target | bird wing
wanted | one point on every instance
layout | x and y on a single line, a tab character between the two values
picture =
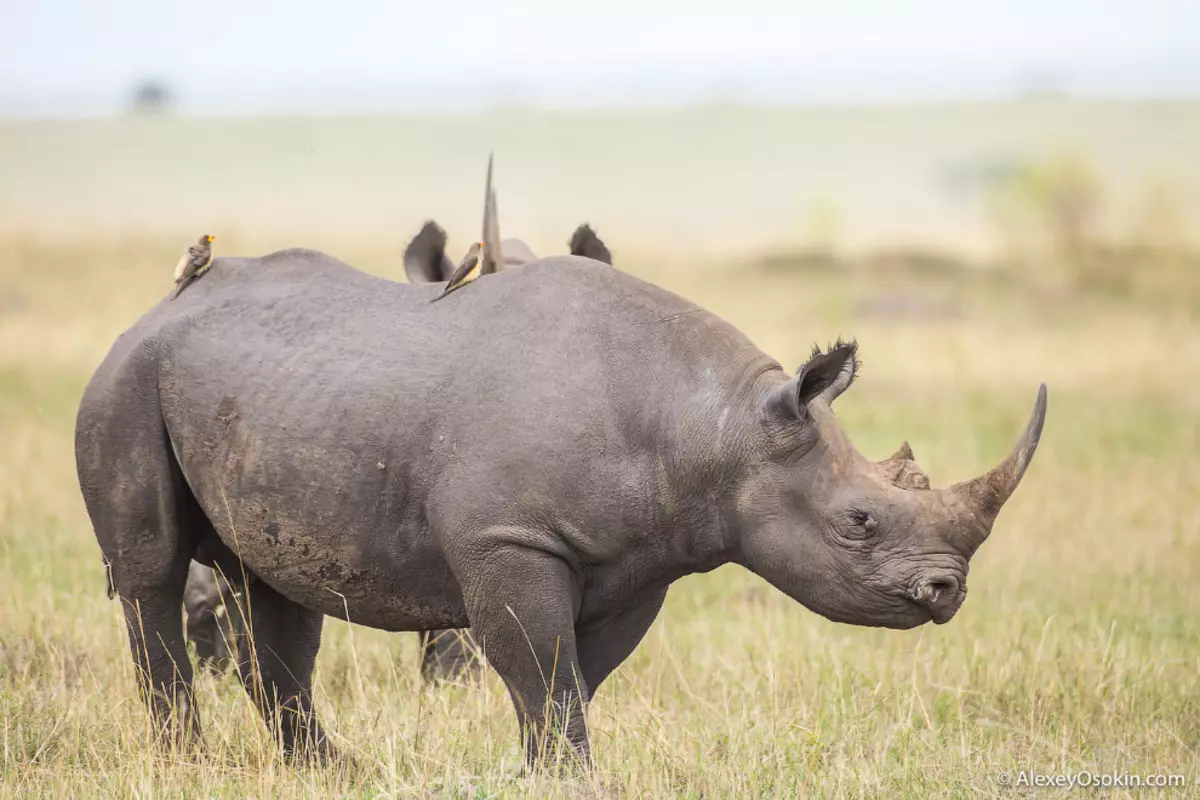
182	265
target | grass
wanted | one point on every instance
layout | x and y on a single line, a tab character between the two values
1077	649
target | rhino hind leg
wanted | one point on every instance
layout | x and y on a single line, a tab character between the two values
164	671
448	655
158	647
276	655
143	516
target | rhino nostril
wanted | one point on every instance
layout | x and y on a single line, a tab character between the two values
936	591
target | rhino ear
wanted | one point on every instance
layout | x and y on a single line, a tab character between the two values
827	375
425	259
905	453
823	376
585	242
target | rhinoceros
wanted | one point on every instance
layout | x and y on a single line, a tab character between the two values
537	457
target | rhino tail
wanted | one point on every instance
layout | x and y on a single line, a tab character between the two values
425	259
584	242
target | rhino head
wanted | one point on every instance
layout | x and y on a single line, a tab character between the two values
857	541
425	259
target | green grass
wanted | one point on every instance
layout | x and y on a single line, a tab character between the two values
1077	649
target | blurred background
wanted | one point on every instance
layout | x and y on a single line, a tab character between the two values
986	195
960	134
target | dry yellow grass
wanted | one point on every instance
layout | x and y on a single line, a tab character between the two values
1077	650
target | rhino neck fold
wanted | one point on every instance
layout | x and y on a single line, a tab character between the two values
700	478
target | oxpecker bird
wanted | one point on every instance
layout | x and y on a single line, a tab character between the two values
468	270
193	263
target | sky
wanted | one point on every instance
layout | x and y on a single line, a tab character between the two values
78	58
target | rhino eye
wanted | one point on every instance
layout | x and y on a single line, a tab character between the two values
862	524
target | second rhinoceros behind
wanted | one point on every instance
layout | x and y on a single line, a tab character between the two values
425	259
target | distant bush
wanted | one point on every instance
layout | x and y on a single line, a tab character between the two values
1046	211
1051	214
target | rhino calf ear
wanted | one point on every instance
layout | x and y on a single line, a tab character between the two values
585	242
425	259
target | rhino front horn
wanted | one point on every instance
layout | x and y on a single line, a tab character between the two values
985	495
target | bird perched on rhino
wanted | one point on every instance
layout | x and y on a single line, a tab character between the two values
193	263
470	268
484	257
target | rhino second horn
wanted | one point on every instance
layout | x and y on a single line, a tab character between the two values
905	453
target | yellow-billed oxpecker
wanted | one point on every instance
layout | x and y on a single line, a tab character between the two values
468	270
193	263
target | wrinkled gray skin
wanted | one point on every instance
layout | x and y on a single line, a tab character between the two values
445	654
537	458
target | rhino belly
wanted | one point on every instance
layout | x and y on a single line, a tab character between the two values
327	519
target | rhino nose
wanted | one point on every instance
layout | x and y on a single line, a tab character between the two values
939	596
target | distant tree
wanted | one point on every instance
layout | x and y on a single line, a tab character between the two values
151	97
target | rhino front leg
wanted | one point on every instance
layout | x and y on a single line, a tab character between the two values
521	603
605	643
276	654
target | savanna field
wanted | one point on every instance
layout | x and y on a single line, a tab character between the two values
1078	648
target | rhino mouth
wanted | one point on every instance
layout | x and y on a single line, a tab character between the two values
914	615
942	615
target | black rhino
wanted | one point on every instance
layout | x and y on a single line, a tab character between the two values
537	457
